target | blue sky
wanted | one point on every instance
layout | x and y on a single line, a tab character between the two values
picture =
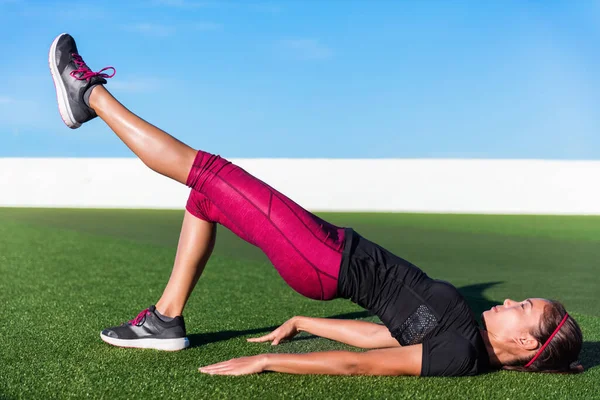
338	79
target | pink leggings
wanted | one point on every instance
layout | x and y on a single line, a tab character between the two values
305	250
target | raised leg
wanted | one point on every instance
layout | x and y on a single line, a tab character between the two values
155	147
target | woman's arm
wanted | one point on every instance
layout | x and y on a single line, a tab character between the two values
366	335
392	361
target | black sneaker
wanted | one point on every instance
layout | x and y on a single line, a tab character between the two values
72	78
148	331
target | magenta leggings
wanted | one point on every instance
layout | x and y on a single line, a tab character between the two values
305	250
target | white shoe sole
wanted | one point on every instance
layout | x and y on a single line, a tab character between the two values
157	344
61	92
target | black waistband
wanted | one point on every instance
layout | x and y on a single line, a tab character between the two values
346	254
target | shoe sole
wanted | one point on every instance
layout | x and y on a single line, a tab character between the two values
61	92
157	344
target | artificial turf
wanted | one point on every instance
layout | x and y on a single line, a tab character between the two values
67	274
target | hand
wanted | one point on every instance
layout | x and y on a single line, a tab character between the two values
286	331
237	366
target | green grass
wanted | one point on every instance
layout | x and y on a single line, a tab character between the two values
67	274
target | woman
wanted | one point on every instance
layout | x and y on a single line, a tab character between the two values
428	328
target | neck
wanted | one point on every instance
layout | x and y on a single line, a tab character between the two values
497	352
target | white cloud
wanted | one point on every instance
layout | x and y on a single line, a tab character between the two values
306	49
150	29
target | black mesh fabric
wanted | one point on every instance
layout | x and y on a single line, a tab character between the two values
419	324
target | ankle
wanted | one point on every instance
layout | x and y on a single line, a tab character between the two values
92	96
168	310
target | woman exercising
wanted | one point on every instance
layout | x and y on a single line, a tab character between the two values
428	328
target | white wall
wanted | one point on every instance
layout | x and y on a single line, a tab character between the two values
469	186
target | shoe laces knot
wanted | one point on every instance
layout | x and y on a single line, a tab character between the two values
83	72
140	317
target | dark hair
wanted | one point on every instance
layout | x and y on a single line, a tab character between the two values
561	354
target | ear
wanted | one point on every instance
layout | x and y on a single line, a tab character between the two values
528	342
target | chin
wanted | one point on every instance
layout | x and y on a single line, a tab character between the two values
483	319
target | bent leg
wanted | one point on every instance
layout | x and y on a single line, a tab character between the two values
305	250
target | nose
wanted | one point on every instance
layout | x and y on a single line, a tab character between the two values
507	302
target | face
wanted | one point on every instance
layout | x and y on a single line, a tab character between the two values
514	320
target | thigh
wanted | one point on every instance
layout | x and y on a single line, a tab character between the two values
305	250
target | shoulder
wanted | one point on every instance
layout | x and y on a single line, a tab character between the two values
450	354
445	292
449	303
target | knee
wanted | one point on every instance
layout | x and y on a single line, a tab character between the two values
205	166
198	205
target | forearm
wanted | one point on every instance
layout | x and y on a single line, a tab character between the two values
388	362
385	362
322	363
355	333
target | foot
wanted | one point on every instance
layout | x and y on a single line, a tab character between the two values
73	81
148	331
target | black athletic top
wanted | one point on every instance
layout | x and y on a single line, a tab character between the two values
415	308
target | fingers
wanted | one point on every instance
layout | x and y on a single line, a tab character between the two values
223	372
216	368
264	338
235	366
218	365
218	371
259	339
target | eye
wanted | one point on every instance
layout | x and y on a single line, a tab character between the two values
523	306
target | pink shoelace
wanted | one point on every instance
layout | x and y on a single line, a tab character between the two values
83	72
140	317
